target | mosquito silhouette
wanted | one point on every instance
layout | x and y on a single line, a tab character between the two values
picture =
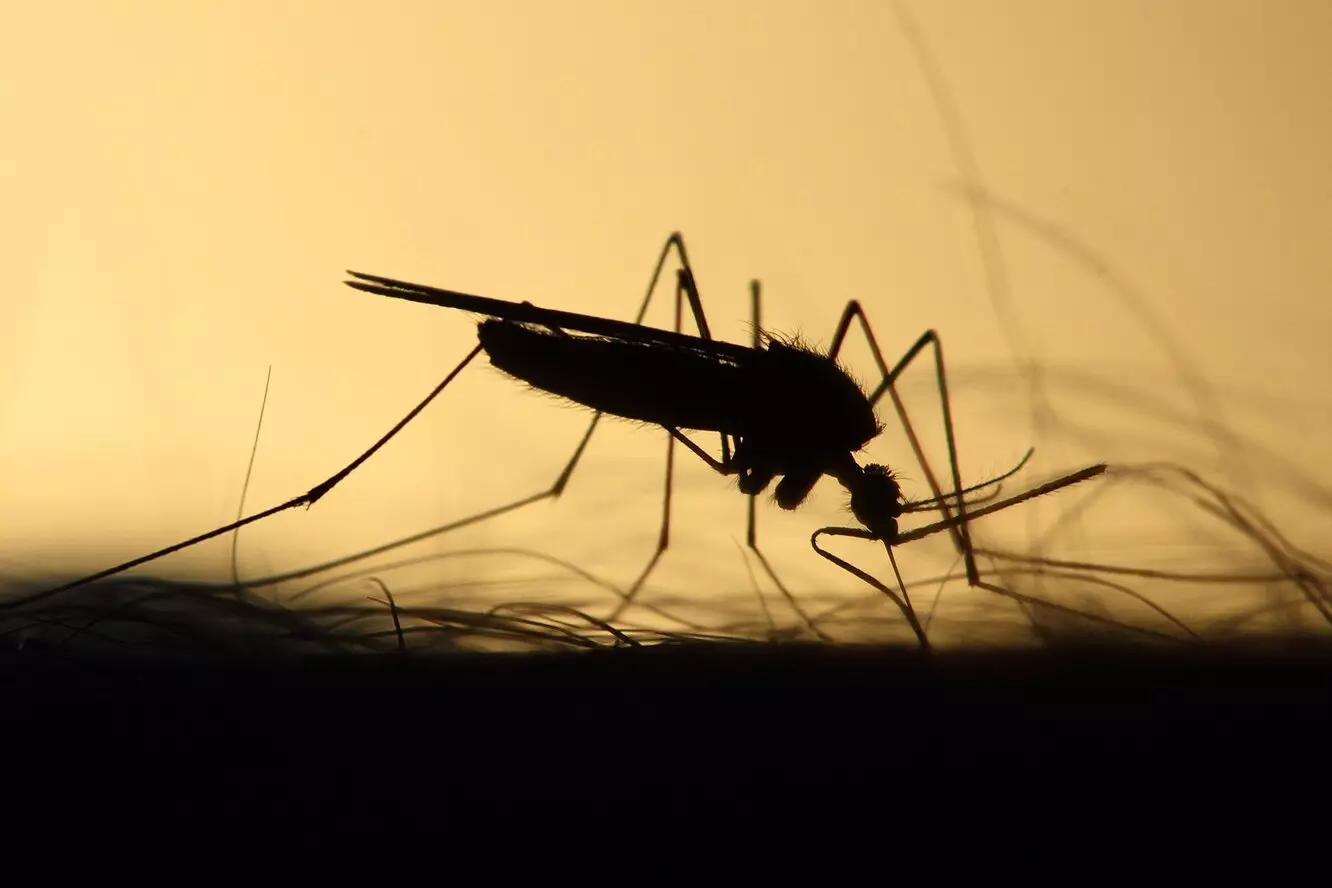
783	412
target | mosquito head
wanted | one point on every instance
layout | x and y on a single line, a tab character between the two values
876	498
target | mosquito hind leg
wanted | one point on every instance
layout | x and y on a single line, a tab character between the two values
686	289
307	499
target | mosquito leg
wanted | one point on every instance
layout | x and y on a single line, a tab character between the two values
1025	601
755	319
751	522
685	289
958	530
686	285
308	498
676	242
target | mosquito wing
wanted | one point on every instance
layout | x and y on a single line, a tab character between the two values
527	313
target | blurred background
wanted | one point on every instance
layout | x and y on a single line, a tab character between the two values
1113	212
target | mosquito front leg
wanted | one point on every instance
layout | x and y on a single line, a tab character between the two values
957	528
381	285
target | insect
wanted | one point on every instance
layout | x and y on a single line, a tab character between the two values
783	412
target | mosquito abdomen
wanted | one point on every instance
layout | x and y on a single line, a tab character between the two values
676	387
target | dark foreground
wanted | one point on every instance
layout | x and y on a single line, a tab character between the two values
985	763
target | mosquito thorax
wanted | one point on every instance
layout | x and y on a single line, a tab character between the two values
807	404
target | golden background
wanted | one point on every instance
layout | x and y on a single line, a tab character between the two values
184	184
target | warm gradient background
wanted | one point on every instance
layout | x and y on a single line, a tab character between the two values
183	185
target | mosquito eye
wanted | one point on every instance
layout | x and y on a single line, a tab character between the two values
876	501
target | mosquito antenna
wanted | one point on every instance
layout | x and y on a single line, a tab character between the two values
1049	487
933	502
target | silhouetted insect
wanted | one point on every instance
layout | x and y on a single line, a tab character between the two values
782	411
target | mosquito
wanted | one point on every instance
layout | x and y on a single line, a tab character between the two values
783	412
